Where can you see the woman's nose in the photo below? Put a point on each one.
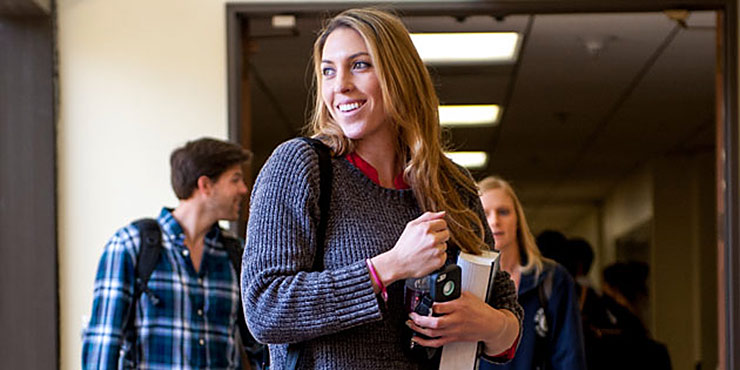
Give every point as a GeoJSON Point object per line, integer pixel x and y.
{"type": "Point", "coordinates": [344, 82]}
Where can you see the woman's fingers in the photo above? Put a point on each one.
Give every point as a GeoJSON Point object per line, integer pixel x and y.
{"type": "Point", "coordinates": [433, 343]}
{"type": "Point", "coordinates": [436, 336]}
{"type": "Point", "coordinates": [437, 225]}
{"type": "Point", "coordinates": [429, 216]}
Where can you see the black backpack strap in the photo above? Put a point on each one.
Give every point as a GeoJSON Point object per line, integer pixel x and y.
{"type": "Point", "coordinates": [544, 291]}
{"type": "Point", "coordinates": [150, 246]}
{"type": "Point", "coordinates": [235, 249]}
{"type": "Point", "coordinates": [325, 176]}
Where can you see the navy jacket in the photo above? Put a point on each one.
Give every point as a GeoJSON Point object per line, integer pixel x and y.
{"type": "Point", "coordinates": [564, 347]}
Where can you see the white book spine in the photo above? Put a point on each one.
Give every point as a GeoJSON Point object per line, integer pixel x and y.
{"type": "Point", "coordinates": [477, 276]}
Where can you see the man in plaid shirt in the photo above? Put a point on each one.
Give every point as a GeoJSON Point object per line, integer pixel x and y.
{"type": "Point", "coordinates": [187, 318]}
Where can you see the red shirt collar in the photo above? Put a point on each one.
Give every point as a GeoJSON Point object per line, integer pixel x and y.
{"type": "Point", "coordinates": [372, 173]}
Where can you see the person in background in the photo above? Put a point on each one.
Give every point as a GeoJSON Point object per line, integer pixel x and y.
{"type": "Point", "coordinates": [398, 209]}
{"type": "Point", "coordinates": [553, 245]}
{"type": "Point", "coordinates": [594, 314]}
{"type": "Point", "coordinates": [552, 337]}
{"type": "Point", "coordinates": [625, 298]}
{"type": "Point", "coordinates": [187, 316]}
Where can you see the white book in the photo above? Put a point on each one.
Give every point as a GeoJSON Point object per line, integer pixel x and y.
{"type": "Point", "coordinates": [477, 278]}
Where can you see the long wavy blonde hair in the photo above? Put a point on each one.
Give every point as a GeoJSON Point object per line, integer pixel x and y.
{"type": "Point", "coordinates": [411, 103]}
{"type": "Point", "coordinates": [525, 240]}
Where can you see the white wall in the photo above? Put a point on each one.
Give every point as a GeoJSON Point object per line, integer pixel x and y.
{"type": "Point", "coordinates": [589, 228]}
{"type": "Point", "coordinates": [683, 269]}
{"type": "Point", "coordinates": [629, 205]}
{"type": "Point", "coordinates": [676, 194]}
{"type": "Point", "coordinates": [138, 78]}
{"type": "Point", "coordinates": [674, 267]}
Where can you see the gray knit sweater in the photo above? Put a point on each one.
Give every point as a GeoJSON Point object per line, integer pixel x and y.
{"type": "Point", "coordinates": [334, 312]}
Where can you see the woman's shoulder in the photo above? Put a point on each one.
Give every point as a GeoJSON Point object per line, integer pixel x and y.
{"type": "Point", "coordinates": [294, 149]}
{"type": "Point", "coordinates": [293, 156]}
{"type": "Point", "coordinates": [293, 164]}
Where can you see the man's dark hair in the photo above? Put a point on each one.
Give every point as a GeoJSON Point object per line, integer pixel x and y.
{"type": "Point", "coordinates": [202, 157]}
{"type": "Point", "coordinates": [551, 244]}
{"type": "Point", "coordinates": [583, 255]}
{"type": "Point", "coordinates": [629, 278]}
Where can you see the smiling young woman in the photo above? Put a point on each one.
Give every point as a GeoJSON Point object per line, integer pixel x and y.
{"type": "Point", "coordinates": [399, 209]}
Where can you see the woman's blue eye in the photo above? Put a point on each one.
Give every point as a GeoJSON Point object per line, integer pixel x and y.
{"type": "Point", "coordinates": [327, 71]}
{"type": "Point", "coordinates": [361, 65]}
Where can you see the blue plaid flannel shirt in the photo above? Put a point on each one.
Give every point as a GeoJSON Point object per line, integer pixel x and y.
{"type": "Point", "coordinates": [194, 324]}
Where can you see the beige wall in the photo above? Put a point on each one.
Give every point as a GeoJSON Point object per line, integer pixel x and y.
{"type": "Point", "coordinates": [138, 78]}
{"type": "Point", "coordinates": [676, 194]}
{"type": "Point", "coordinates": [629, 205]}
{"type": "Point", "coordinates": [683, 271]}
{"type": "Point", "coordinates": [589, 228]}
{"type": "Point", "coordinates": [674, 271]}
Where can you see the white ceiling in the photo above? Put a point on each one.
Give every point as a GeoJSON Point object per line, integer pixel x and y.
{"type": "Point", "coordinates": [575, 120]}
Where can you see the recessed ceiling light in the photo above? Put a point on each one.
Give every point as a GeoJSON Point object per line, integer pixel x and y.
{"type": "Point", "coordinates": [469, 159]}
{"type": "Point", "coordinates": [469, 115]}
{"type": "Point", "coordinates": [466, 47]}
{"type": "Point", "coordinates": [283, 21]}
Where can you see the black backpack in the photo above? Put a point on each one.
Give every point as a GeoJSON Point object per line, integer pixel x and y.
{"type": "Point", "coordinates": [151, 247]}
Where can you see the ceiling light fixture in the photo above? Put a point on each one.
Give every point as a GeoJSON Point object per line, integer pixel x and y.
{"type": "Point", "coordinates": [469, 115]}
{"type": "Point", "coordinates": [466, 47]}
{"type": "Point", "coordinates": [283, 21]}
{"type": "Point", "coordinates": [472, 160]}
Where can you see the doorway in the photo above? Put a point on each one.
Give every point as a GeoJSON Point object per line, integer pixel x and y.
{"type": "Point", "coordinates": [589, 117]}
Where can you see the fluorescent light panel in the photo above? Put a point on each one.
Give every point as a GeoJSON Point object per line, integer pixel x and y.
{"type": "Point", "coordinates": [283, 21]}
{"type": "Point", "coordinates": [469, 115]}
{"type": "Point", "coordinates": [466, 47]}
{"type": "Point", "coordinates": [469, 159]}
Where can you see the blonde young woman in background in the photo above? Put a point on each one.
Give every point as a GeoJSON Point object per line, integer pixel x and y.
{"type": "Point", "coordinates": [398, 207]}
{"type": "Point", "coordinates": [552, 335]}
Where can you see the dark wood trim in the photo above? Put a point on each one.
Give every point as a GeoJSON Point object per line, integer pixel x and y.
{"type": "Point", "coordinates": [240, 128]}
{"type": "Point", "coordinates": [234, 71]}
{"type": "Point", "coordinates": [729, 229]}
{"type": "Point", "coordinates": [24, 8]}
{"type": "Point", "coordinates": [55, 176]}
{"type": "Point", "coordinates": [730, 286]}
{"type": "Point", "coordinates": [502, 7]}
{"type": "Point", "coordinates": [720, 102]}
{"type": "Point", "coordinates": [29, 268]}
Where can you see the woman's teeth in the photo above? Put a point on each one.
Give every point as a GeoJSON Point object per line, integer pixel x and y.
{"type": "Point", "coordinates": [348, 107]}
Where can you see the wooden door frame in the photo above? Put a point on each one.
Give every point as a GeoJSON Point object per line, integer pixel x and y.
{"type": "Point", "coordinates": [728, 156]}
{"type": "Point", "coordinates": [29, 287]}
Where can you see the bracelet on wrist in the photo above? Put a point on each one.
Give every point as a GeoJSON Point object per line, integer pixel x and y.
{"type": "Point", "coordinates": [376, 279]}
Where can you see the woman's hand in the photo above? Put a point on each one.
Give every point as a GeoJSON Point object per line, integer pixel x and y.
{"type": "Point", "coordinates": [420, 250]}
{"type": "Point", "coordinates": [466, 319]}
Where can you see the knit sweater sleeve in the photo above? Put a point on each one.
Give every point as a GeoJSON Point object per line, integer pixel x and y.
{"type": "Point", "coordinates": [284, 301]}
